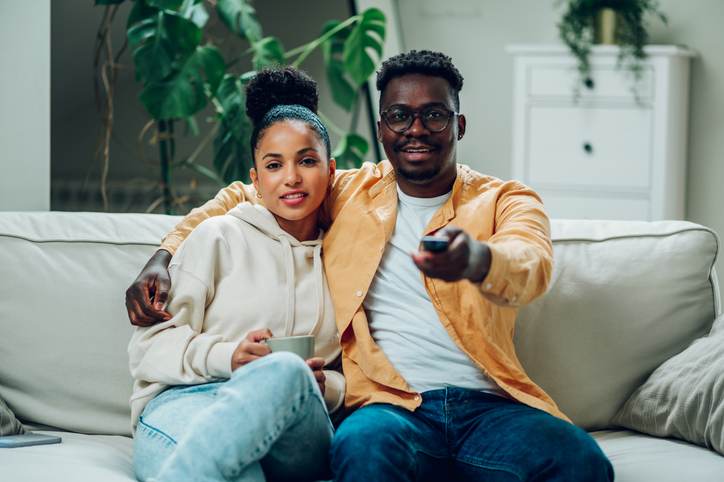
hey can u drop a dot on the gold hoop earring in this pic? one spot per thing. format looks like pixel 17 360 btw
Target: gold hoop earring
pixel 258 195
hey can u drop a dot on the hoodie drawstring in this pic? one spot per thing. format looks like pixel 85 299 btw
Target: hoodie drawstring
pixel 289 261
pixel 319 285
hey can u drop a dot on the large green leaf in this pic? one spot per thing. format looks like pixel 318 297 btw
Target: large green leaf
pixel 139 12
pixel 343 93
pixel 240 17
pixel 161 38
pixel 195 11
pixel 268 51
pixel 351 151
pixel 164 4
pixel 185 92
pixel 368 34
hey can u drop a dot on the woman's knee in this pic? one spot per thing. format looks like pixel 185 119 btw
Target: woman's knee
pixel 279 372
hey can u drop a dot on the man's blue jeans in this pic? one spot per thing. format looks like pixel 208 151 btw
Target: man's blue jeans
pixel 464 435
pixel 267 421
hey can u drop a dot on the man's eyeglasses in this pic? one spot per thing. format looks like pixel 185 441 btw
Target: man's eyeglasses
pixel 435 119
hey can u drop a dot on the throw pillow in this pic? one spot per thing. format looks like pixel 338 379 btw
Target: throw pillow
pixel 9 425
pixel 684 397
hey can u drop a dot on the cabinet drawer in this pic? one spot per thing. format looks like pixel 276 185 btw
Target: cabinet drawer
pixel 602 148
pixel 606 83
pixel 570 206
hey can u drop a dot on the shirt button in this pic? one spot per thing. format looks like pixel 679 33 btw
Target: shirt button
pixel 359 293
pixel 417 398
pixel 488 286
pixel 514 298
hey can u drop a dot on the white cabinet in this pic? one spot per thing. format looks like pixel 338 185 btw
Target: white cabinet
pixel 610 154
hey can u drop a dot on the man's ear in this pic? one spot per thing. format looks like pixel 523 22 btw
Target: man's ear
pixel 462 123
pixel 379 131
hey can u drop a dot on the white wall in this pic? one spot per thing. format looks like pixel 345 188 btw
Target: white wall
pixel 474 33
pixel 25 105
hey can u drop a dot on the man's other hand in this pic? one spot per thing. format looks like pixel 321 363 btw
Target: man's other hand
pixel 148 293
pixel 465 258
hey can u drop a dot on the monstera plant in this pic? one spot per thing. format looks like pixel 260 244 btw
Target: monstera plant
pixel 181 71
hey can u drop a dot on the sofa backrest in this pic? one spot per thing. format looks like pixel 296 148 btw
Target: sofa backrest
pixel 625 297
pixel 63 323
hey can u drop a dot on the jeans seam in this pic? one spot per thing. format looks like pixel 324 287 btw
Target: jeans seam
pixel 493 466
pixel 156 431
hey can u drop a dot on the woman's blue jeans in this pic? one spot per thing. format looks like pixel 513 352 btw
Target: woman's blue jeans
pixel 268 421
pixel 464 435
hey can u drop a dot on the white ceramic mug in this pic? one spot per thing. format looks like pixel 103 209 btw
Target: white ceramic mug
pixel 301 345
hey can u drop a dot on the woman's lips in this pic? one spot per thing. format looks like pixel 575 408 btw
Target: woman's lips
pixel 292 199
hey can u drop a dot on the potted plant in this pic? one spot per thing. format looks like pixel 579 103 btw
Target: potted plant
pixel 583 22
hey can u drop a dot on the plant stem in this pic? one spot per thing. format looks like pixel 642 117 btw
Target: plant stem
pixel 165 166
pixel 316 43
pixel 331 125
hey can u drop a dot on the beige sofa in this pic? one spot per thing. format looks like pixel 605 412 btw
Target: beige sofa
pixel 625 298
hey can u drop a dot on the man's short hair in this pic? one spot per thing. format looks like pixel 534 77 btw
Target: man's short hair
pixel 422 62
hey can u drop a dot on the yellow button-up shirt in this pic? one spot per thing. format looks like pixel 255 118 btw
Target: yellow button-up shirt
pixel 361 211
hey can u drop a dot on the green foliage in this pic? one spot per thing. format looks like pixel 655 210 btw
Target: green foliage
pixel 186 91
pixel 343 93
pixel 180 76
pixel 240 17
pixel 268 51
pixel 351 151
pixel 357 61
pixel 576 31
pixel 232 152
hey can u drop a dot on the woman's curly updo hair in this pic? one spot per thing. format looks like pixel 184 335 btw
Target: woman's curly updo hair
pixel 276 94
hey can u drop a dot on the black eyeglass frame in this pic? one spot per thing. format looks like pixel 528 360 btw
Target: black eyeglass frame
pixel 451 114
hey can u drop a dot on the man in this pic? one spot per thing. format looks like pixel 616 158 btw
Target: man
pixel 434 387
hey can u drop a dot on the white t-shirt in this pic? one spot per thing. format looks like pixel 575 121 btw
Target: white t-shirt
pixel 402 319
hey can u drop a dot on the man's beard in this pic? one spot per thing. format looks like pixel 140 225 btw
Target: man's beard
pixel 418 177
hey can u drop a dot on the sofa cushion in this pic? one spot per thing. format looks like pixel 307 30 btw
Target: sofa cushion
pixel 63 360
pixel 684 397
pixel 641 458
pixel 78 457
pixel 9 425
pixel 624 298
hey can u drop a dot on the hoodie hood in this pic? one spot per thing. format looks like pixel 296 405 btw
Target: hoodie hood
pixel 263 220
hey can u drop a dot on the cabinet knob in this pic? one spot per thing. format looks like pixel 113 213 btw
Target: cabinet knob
pixel 587 147
pixel 589 83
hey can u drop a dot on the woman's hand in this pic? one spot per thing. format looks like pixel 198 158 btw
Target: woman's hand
pixel 250 349
pixel 316 364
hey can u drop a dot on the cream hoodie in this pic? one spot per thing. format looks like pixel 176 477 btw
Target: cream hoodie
pixel 234 274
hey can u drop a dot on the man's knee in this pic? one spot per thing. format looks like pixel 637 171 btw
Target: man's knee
pixel 374 437
pixel 577 456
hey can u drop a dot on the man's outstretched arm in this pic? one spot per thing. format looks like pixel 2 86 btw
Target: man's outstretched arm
pixel 146 296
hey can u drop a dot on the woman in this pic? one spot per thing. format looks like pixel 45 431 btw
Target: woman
pixel 210 402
